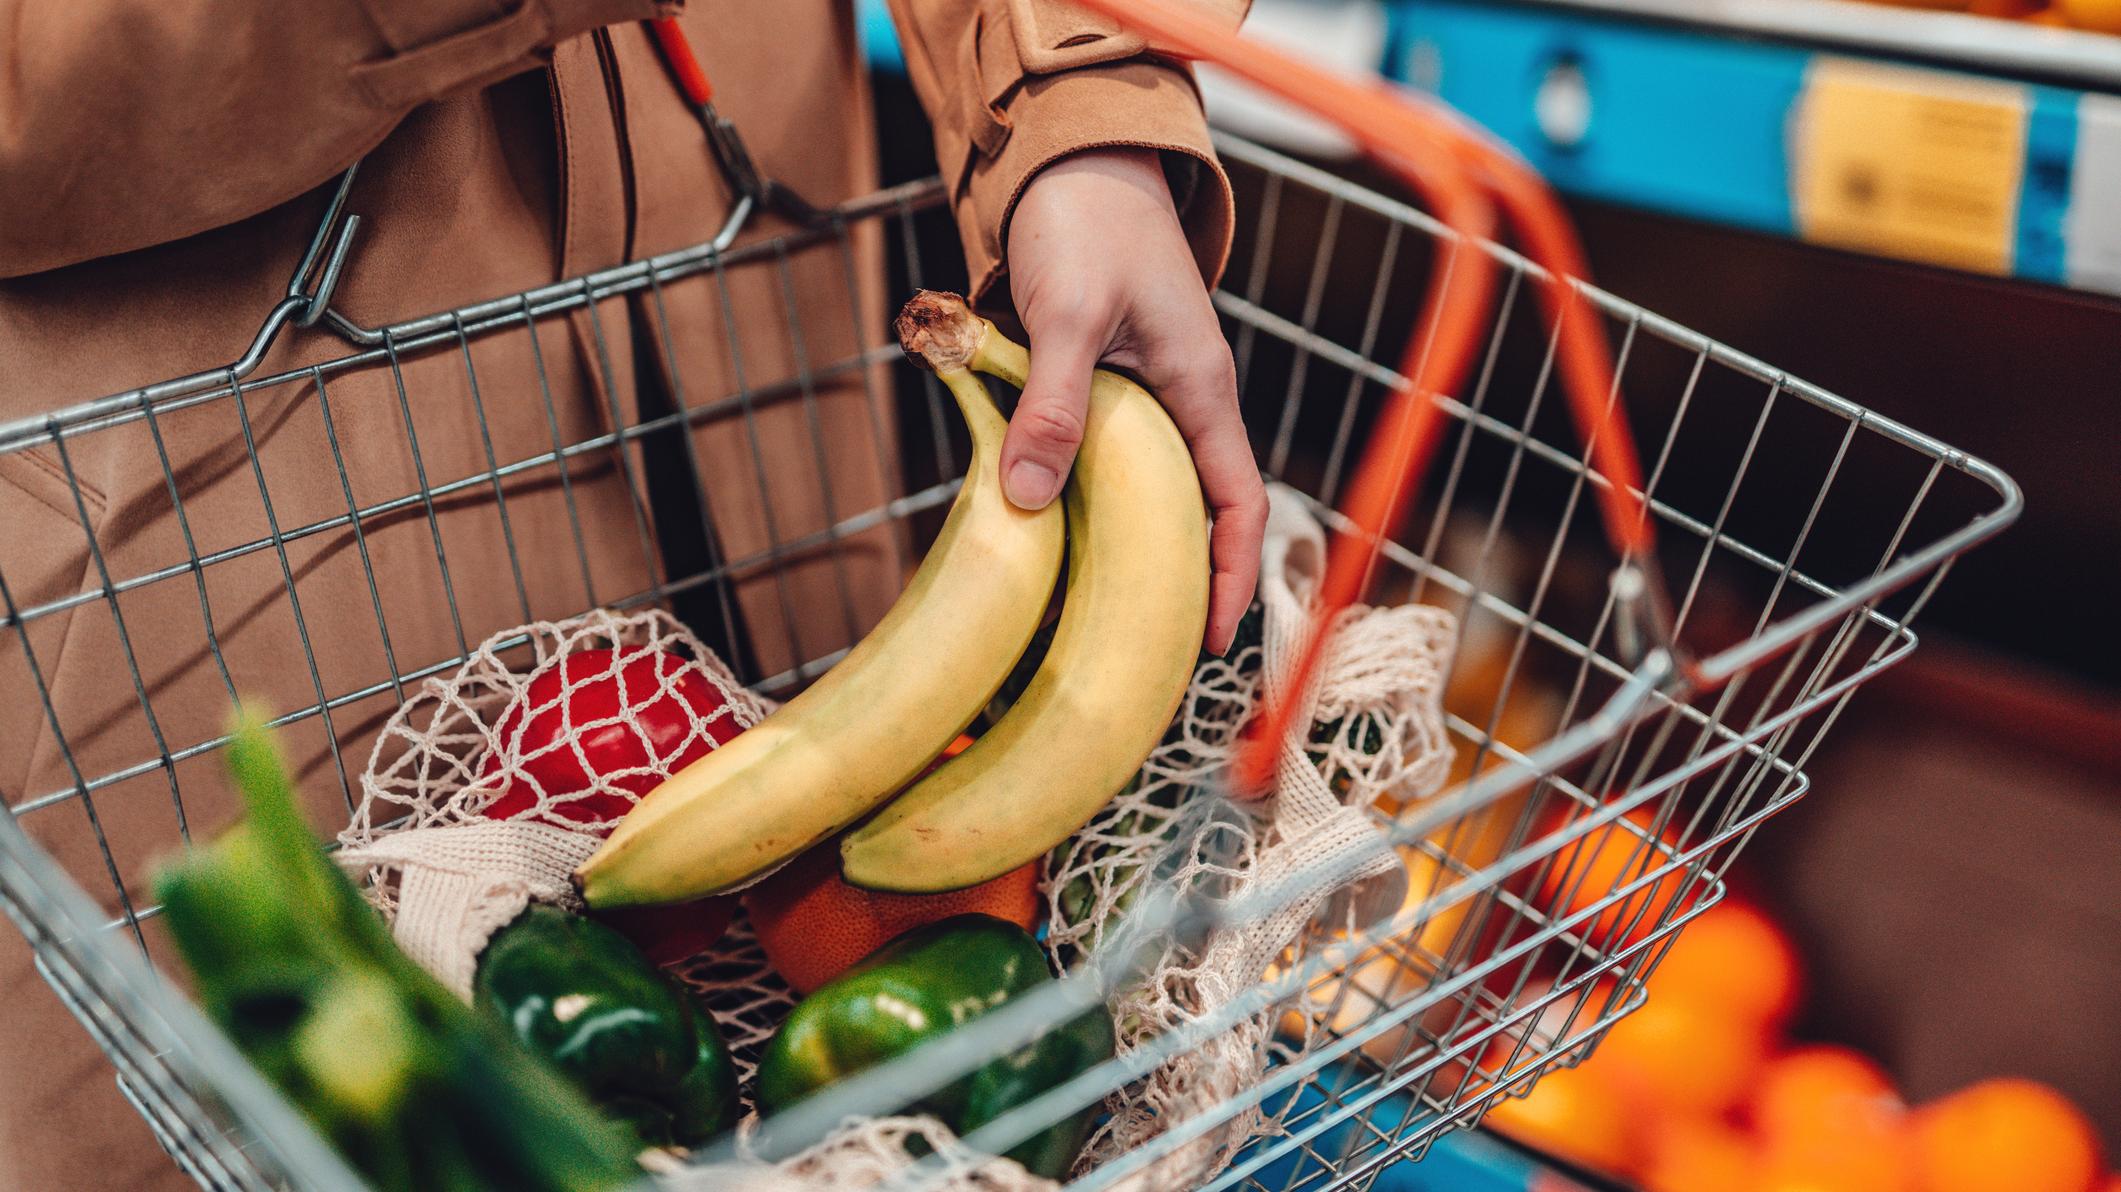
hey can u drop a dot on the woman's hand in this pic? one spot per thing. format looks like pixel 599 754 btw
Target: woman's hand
pixel 1101 272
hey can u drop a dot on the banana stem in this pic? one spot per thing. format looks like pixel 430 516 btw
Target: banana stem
pixel 940 331
pixel 981 418
pixel 1002 358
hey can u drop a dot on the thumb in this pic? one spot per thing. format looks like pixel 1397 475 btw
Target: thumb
pixel 1047 426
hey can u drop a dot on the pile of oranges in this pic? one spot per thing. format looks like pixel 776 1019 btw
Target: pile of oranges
pixel 2099 16
pixel 1700 1089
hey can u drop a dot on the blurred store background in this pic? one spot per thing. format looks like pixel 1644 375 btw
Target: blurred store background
pixel 1920 208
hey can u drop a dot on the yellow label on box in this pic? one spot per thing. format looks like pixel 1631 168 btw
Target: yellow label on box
pixel 1909 163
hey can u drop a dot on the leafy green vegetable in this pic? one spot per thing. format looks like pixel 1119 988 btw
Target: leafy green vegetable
pixel 412 1086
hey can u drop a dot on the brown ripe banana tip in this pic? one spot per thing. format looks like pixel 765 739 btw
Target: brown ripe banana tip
pixel 1132 616
pixel 861 732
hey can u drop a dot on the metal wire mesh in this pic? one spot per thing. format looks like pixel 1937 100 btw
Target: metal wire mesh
pixel 1801 535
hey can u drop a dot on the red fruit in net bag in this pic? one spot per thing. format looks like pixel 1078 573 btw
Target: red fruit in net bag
pixel 582 698
pixel 590 719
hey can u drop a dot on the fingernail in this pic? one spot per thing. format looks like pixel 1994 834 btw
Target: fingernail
pixel 1031 485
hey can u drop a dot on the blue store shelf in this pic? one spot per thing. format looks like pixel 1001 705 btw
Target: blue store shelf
pixel 1700 119
pixel 1647 137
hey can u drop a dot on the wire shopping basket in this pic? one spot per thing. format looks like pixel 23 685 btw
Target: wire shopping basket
pixel 1802 533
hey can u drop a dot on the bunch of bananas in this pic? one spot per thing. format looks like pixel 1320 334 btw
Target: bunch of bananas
pixel 1132 614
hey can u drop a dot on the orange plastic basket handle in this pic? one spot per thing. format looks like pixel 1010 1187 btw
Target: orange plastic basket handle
pixel 1455 169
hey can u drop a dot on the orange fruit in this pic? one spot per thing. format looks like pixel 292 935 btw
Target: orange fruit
pixel 2102 16
pixel 1681 1058
pixel 1571 1114
pixel 1812 1092
pixel 1733 956
pixel 2018 1135
pixel 1830 1121
pixel 1697 1154
pixel 1591 869
pixel 814 926
pixel 1874 1158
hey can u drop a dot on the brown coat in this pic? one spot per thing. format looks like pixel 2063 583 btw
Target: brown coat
pixel 160 170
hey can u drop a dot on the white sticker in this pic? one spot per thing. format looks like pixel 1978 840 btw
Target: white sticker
pixel 2091 232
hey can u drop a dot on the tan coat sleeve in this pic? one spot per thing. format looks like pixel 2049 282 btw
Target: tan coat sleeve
pixel 126 123
pixel 1013 85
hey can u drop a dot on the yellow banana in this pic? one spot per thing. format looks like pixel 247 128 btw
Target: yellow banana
pixel 872 722
pixel 1131 620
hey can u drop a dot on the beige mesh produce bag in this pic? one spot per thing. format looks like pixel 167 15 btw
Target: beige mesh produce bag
pixel 449 876
pixel 425 837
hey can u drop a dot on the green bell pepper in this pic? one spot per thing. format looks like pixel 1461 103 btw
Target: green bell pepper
pixel 580 994
pixel 926 982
